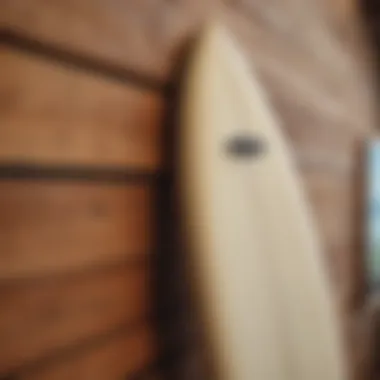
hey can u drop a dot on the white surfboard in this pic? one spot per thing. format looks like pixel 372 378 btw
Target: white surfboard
pixel 257 271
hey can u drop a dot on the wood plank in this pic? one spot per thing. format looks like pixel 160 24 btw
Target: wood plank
pixel 51 114
pixel 322 73
pixel 140 34
pixel 345 14
pixel 331 202
pixel 285 18
pixel 116 358
pixel 330 198
pixel 146 36
pixel 50 227
pixel 42 316
pixel 315 136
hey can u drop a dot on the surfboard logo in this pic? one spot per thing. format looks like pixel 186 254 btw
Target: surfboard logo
pixel 245 146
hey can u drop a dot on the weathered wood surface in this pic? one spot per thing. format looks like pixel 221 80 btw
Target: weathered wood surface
pixel 120 356
pixel 41 316
pixel 57 115
pixel 49 227
pixel 310 56
pixel 143 35
pixel 318 74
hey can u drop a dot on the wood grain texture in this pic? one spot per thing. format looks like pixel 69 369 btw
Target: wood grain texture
pixel 331 201
pixel 146 37
pixel 345 16
pixel 316 68
pixel 317 19
pixel 318 140
pixel 140 34
pixel 119 357
pixel 51 114
pixel 40 317
pixel 322 73
pixel 50 227
pixel 319 143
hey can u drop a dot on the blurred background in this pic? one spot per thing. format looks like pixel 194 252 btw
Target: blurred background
pixel 91 283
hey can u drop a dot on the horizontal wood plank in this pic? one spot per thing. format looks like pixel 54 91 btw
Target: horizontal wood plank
pixel 140 34
pixel 284 20
pixel 119 357
pixel 146 36
pixel 56 115
pixel 40 317
pixel 49 227
pixel 320 73
pixel 315 64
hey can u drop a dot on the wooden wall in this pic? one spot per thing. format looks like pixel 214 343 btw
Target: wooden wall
pixel 85 97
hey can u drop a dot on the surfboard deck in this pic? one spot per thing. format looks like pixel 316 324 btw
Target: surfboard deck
pixel 257 271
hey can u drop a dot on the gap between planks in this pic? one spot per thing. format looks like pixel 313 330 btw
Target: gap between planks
pixel 75 349
pixel 79 61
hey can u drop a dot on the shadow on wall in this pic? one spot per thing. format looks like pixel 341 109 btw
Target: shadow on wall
pixel 178 359
pixel 370 10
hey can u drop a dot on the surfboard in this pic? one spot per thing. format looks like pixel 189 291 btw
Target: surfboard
pixel 256 267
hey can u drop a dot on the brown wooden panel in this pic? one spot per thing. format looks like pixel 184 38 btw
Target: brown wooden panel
pixel 146 36
pixel 39 317
pixel 318 139
pixel 141 34
pixel 316 70
pixel 56 115
pixel 118 357
pixel 56 226
pixel 345 14
pixel 331 204
pixel 285 18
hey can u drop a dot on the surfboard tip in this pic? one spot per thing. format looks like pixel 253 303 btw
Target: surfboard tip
pixel 214 31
